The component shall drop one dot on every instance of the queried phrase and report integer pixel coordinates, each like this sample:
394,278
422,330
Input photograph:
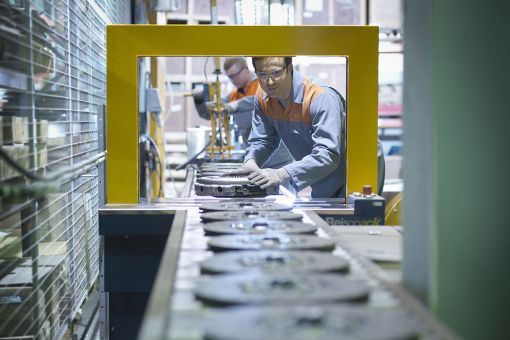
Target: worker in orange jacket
240,104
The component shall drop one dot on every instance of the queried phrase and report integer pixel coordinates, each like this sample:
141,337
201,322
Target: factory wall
464,53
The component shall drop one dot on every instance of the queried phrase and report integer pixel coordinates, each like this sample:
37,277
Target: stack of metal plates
217,180
216,169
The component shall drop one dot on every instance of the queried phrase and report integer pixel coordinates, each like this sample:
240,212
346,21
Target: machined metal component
212,173
274,262
281,289
224,180
230,186
249,215
223,164
233,190
327,322
219,166
247,205
235,156
270,242
260,226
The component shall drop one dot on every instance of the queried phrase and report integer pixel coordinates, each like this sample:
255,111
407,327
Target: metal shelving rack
52,96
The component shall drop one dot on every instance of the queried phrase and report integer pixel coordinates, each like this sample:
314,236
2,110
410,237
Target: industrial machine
239,262
220,129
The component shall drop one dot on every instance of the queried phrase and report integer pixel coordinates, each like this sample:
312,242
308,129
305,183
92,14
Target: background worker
310,119
240,103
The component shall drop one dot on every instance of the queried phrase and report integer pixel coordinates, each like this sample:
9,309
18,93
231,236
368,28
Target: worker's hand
198,95
231,107
227,108
265,178
247,168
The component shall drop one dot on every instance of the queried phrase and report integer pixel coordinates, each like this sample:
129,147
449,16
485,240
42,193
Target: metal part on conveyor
326,322
260,226
235,156
246,205
220,165
281,289
230,186
189,201
215,179
223,180
173,312
222,170
249,215
274,262
212,173
270,242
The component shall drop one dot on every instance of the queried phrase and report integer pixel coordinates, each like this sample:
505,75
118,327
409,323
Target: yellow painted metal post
122,117
125,43
362,89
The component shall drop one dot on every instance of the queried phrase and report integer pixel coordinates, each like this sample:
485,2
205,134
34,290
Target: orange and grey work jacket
312,129
242,102
244,106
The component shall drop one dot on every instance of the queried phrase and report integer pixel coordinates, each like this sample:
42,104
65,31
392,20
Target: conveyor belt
174,312
184,315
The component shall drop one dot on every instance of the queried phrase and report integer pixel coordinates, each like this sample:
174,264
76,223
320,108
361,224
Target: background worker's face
238,75
274,78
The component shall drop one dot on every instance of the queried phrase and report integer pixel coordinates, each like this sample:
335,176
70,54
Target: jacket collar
253,77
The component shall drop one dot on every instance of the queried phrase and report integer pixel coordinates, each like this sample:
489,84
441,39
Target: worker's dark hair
231,61
286,60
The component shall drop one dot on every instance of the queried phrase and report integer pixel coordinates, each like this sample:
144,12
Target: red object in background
367,190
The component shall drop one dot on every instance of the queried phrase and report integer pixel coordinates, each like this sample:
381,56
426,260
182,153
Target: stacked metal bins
52,96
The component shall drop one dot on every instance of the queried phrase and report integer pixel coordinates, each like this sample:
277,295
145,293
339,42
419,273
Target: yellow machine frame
125,43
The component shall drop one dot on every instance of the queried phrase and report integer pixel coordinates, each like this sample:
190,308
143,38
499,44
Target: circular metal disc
220,169
249,215
234,190
270,242
260,226
273,262
224,180
242,206
219,165
281,289
328,322
212,173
